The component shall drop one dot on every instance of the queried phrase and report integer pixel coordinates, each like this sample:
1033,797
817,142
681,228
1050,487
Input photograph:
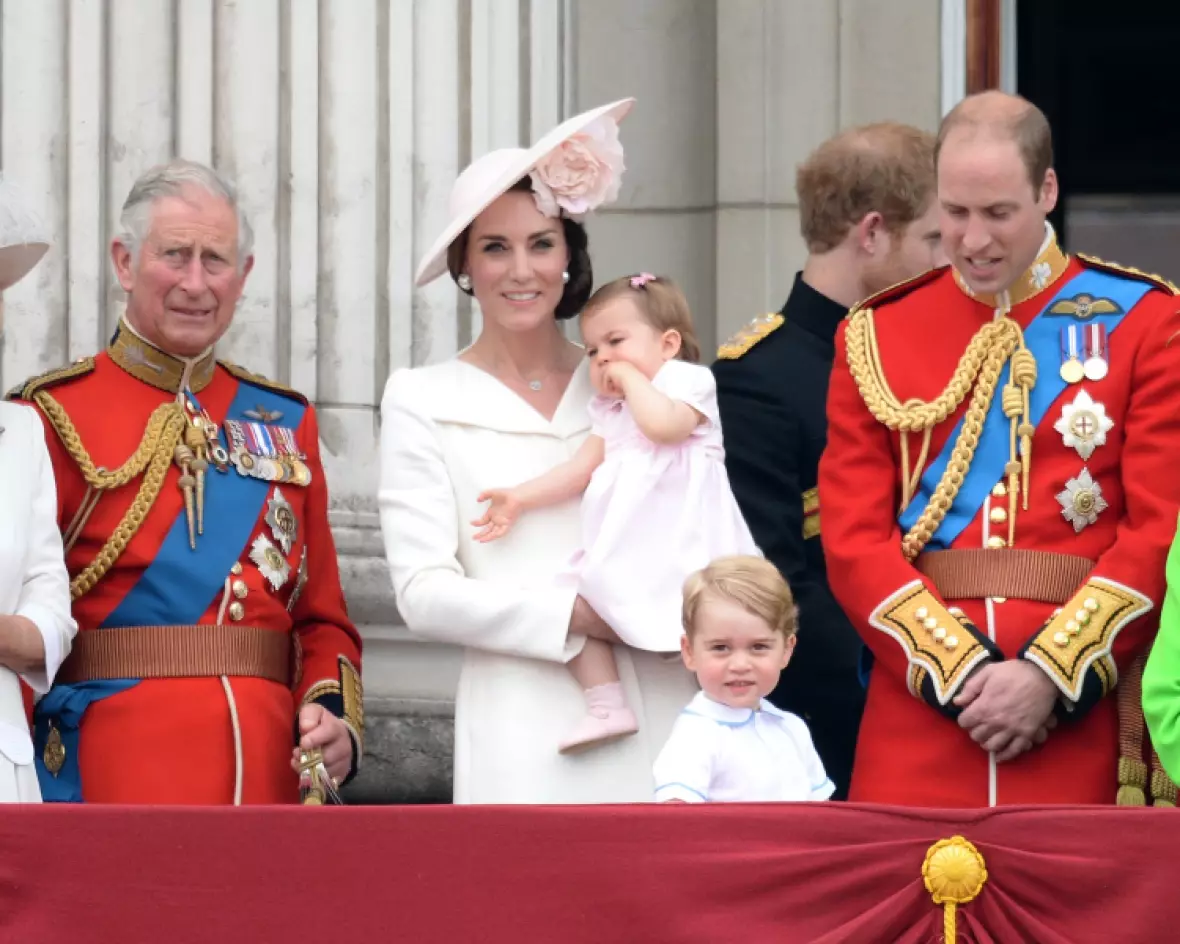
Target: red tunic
172,740
910,752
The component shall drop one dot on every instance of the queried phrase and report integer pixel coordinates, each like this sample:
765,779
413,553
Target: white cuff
45,620
679,791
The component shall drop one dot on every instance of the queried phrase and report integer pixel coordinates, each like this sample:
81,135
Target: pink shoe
607,719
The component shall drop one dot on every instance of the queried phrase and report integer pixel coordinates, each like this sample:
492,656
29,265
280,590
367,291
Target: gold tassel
1024,374
184,456
954,873
194,438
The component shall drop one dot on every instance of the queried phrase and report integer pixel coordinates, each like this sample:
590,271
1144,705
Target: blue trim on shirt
727,724
685,786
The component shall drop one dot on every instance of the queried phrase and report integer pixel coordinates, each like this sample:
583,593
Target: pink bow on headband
640,280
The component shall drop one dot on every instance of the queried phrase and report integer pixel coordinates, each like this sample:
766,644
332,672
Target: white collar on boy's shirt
706,707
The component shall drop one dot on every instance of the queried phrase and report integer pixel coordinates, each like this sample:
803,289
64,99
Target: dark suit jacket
772,400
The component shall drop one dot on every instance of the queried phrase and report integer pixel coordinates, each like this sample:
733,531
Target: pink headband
640,280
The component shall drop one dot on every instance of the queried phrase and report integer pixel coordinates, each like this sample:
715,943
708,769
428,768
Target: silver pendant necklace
534,385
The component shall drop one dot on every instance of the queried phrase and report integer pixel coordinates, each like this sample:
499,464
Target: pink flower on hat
581,173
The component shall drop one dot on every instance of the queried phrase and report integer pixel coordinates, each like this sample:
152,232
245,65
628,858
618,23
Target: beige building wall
733,94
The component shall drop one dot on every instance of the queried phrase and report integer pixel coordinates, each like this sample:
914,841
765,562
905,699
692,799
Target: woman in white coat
506,409
36,628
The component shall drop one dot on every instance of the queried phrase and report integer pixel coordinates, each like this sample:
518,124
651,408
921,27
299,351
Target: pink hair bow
640,280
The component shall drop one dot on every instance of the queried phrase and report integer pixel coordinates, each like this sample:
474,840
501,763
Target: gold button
921,613
240,589
999,490
930,623
999,599
1091,604
998,515
1071,626
1082,616
996,541
939,634
236,570
951,642
1061,639
956,612
236,611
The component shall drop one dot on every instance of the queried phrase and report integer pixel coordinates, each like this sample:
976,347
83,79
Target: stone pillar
790,74
663,52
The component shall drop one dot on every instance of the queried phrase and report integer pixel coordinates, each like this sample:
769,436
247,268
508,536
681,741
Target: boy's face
737,658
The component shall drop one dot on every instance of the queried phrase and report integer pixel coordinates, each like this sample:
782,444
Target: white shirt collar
706,707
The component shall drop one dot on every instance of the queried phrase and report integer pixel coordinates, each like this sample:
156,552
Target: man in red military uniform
999,490
214,650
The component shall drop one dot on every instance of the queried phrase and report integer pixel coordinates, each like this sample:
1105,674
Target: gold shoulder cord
164,431
977,373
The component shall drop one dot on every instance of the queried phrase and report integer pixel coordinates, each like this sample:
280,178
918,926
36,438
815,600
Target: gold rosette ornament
954,873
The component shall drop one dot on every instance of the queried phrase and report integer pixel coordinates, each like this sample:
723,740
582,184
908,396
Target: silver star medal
1081,501
270,562
1084,424
281,518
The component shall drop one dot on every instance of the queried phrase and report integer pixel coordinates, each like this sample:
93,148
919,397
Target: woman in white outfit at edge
36,628
506,409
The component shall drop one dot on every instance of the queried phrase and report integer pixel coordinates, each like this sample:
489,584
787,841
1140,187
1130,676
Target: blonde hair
885,167
753,583
1011,117
662,304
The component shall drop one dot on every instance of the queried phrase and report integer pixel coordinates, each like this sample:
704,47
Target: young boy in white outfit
730,743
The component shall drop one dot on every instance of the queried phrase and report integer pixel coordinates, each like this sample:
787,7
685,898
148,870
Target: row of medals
202,437
1084,423
203,447
1083,353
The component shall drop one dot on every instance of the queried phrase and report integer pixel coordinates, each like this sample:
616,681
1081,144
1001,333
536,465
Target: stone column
790,74
663,52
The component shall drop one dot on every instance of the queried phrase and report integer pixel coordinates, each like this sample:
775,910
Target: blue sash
1043,339
175,589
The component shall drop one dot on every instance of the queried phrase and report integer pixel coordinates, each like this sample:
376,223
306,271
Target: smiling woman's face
515,258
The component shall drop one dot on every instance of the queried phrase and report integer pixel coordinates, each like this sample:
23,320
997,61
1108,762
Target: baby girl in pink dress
656,501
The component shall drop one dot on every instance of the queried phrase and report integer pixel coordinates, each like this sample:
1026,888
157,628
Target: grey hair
171,180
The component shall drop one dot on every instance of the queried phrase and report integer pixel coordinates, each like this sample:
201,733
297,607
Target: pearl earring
464,281
565,278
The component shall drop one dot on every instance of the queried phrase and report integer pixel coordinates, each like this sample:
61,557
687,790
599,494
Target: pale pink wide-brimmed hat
489,177
24,237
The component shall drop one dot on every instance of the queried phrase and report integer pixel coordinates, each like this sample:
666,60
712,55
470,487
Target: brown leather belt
1010,573
141,652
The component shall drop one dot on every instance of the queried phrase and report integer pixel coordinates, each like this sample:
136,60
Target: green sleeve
1161,677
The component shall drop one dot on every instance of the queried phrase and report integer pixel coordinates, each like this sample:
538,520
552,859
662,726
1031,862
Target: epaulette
259,381
749,335
51,378
897,290
1150,277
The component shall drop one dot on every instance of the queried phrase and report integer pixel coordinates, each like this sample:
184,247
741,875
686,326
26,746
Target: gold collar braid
978,373
147,363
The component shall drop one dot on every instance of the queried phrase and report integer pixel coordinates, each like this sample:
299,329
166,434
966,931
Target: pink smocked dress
653,514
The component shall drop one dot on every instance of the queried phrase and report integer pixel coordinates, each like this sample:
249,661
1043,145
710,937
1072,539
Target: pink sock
606,697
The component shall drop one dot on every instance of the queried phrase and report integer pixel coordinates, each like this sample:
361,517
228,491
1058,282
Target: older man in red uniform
215,650
999,490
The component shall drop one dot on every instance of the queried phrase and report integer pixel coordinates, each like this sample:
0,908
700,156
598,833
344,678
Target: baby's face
737,658
616,333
